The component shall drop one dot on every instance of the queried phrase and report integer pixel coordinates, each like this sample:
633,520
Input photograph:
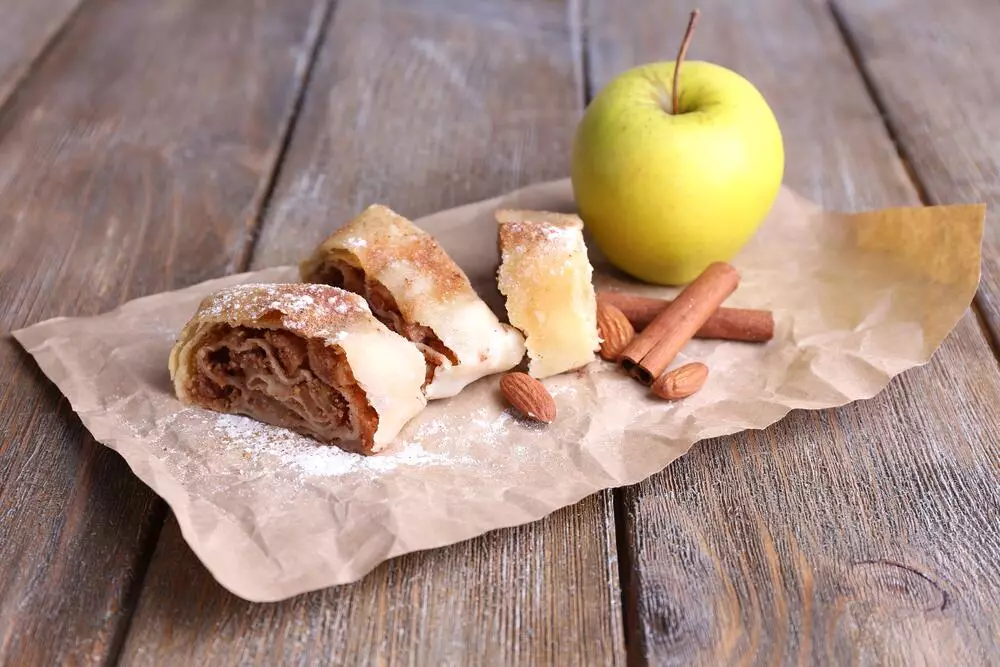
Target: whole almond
615,330
681,382
528,396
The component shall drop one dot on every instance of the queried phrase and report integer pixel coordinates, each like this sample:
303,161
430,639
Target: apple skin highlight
666,195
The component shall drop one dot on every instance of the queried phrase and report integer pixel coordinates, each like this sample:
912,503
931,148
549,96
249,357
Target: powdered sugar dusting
332,462
309,458
561,386
554,232
287,298
315,310
568,236
491,429
546,239
295,303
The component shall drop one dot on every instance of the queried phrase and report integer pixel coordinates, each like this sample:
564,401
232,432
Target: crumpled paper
857,300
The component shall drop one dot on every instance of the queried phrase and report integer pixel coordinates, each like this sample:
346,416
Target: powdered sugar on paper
305,456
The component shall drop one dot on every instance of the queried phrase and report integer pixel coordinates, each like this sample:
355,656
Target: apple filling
384,307
281,379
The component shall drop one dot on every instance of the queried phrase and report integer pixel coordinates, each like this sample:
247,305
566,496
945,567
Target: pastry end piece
546,277
310,358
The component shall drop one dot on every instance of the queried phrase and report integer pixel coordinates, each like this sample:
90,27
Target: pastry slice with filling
417,290
310,358
546,277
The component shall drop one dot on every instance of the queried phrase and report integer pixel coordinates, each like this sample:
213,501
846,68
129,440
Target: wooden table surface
147,145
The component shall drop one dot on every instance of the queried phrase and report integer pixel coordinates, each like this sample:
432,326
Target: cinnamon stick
650,352
738,324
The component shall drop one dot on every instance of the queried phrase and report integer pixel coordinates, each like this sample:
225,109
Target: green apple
663,195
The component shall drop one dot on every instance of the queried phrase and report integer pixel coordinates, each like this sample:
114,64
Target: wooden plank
930,63
863,535
491,600
133,160
421,105
25,31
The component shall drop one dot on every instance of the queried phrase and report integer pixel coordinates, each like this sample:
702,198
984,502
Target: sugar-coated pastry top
312,311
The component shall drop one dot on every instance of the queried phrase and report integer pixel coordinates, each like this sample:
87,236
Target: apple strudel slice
310,358
417,290
546,277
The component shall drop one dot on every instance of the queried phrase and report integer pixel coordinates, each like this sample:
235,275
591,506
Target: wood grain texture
865,535
131,161
533,595
933,67
26,29
420,105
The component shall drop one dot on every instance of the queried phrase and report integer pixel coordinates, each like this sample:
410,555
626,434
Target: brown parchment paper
857,300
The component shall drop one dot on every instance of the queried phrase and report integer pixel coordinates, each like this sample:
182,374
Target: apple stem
680,58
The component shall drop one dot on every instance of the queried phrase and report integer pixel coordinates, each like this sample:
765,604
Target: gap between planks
579,25
316,37
158,518
850,41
